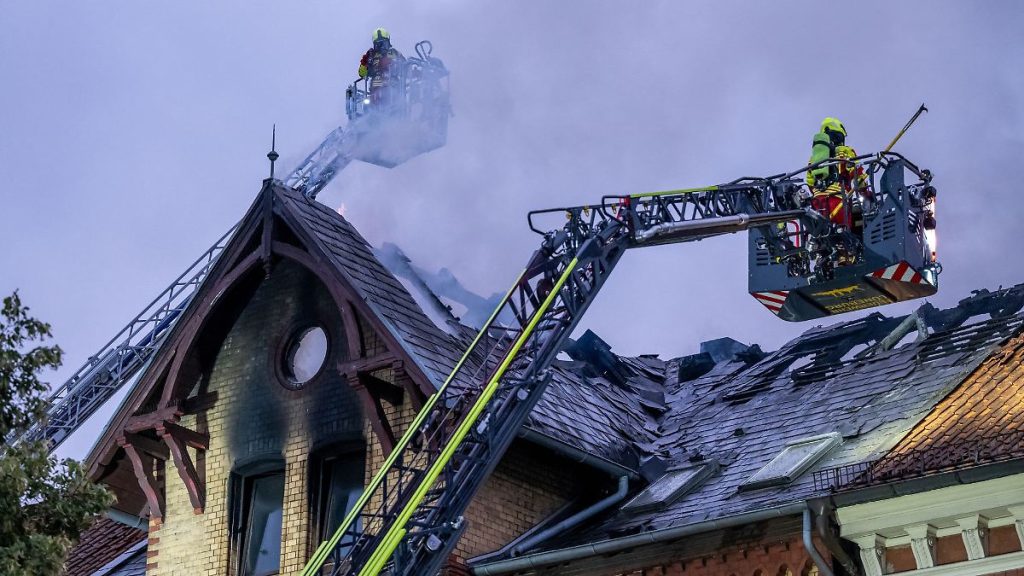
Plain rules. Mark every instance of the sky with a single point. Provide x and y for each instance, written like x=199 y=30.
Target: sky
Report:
x=134 y=133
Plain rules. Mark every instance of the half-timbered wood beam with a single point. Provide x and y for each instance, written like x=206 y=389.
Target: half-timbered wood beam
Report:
x=375 y=414
x=178 y=439
x=191 y=438
x=144 y=468
x=382 y=389
x=416 y=396
x=378 y=362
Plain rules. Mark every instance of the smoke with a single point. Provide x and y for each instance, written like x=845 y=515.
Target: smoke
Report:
x=439 y=294
x=163 y=143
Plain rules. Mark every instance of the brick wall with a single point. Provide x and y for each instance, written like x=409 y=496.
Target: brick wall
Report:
x=788 y=558
x=771 y=548
x=527 y=486
x=254 y=418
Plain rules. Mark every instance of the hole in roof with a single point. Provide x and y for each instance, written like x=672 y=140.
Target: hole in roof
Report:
x=908 y=339
x=977 y=319
x=795 y=458
x=670 y=487
x=854 y=350
x=801 y=362
x=457 y=309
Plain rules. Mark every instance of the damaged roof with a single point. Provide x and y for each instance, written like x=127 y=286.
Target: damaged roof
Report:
x=730 y=405
x=865 y=382
x=432 y=348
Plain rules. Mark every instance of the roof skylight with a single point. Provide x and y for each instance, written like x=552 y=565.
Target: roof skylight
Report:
x=793 y=461
x=670 y=487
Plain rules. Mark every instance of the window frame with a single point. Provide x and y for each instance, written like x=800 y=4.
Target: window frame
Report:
x=284 y=350
x=645 y=500
x=825 y=444
x=240 y=506
x=319 y=486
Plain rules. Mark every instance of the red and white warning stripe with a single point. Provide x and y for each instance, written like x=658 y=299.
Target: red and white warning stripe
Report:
x=772 y=300
x=795 y=232
x=901 y=272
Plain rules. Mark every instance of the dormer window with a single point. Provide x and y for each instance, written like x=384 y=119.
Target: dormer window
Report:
x=672 y=486
x=793 y=461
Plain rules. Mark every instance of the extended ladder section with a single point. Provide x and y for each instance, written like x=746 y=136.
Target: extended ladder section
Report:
x=409 y=517
x=320 y=167
x=121 y=357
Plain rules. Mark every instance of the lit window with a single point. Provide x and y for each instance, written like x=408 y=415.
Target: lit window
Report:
x=670 y=487
x=260 y=532
x=793 y=461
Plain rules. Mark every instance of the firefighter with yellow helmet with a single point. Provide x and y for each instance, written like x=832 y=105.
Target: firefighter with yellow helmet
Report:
x=382 y=63
x=833 y=184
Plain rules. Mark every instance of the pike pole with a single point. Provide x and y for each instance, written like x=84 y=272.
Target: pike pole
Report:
x=905 y=128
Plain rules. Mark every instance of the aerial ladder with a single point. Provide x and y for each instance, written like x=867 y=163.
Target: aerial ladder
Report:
x=410 y=516
x=407 y=118
x=411 y=120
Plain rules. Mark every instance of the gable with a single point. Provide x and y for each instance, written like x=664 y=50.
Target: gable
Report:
x=380 y=326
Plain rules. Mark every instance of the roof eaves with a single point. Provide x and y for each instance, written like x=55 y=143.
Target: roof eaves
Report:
x=121 y=560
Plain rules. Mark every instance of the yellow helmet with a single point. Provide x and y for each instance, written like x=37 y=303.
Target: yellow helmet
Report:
x=833 y=125
x=380 y=35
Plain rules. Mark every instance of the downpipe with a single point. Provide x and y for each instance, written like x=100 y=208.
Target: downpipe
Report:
x=577 y=518
x=823 y=567
x=565 y=555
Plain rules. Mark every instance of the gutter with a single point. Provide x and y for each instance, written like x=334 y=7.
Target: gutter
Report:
x=927 y=483
x=129 y=520
x=613 y=545
x=576 y=455
x=535 y=529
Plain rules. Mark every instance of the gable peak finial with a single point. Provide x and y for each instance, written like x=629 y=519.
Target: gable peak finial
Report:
x=273 y=155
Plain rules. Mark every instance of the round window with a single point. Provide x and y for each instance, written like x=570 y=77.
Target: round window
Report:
x=304 y=356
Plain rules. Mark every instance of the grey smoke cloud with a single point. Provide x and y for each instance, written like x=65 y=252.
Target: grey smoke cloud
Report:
x=135 y=133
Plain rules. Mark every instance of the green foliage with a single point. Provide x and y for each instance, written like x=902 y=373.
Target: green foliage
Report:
x=44 y=504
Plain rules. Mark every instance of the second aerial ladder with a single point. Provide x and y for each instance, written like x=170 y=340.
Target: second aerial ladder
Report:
x=410 y=516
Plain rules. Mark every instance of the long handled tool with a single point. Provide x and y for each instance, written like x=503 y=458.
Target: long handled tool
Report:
x=905 y=128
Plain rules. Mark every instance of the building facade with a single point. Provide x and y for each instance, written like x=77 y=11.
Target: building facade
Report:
x=306 y=354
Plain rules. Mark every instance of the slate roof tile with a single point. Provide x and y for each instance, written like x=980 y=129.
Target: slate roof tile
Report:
x=873 y=400
x=431 y=348
x=742 y=408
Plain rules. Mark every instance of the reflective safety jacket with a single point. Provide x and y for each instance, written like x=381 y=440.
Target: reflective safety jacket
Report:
x=851 y=176
x=379 y=64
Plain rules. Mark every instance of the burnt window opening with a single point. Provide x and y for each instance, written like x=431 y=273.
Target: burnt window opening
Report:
x=303 y=356
x=339 y=475
x=258 y=514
